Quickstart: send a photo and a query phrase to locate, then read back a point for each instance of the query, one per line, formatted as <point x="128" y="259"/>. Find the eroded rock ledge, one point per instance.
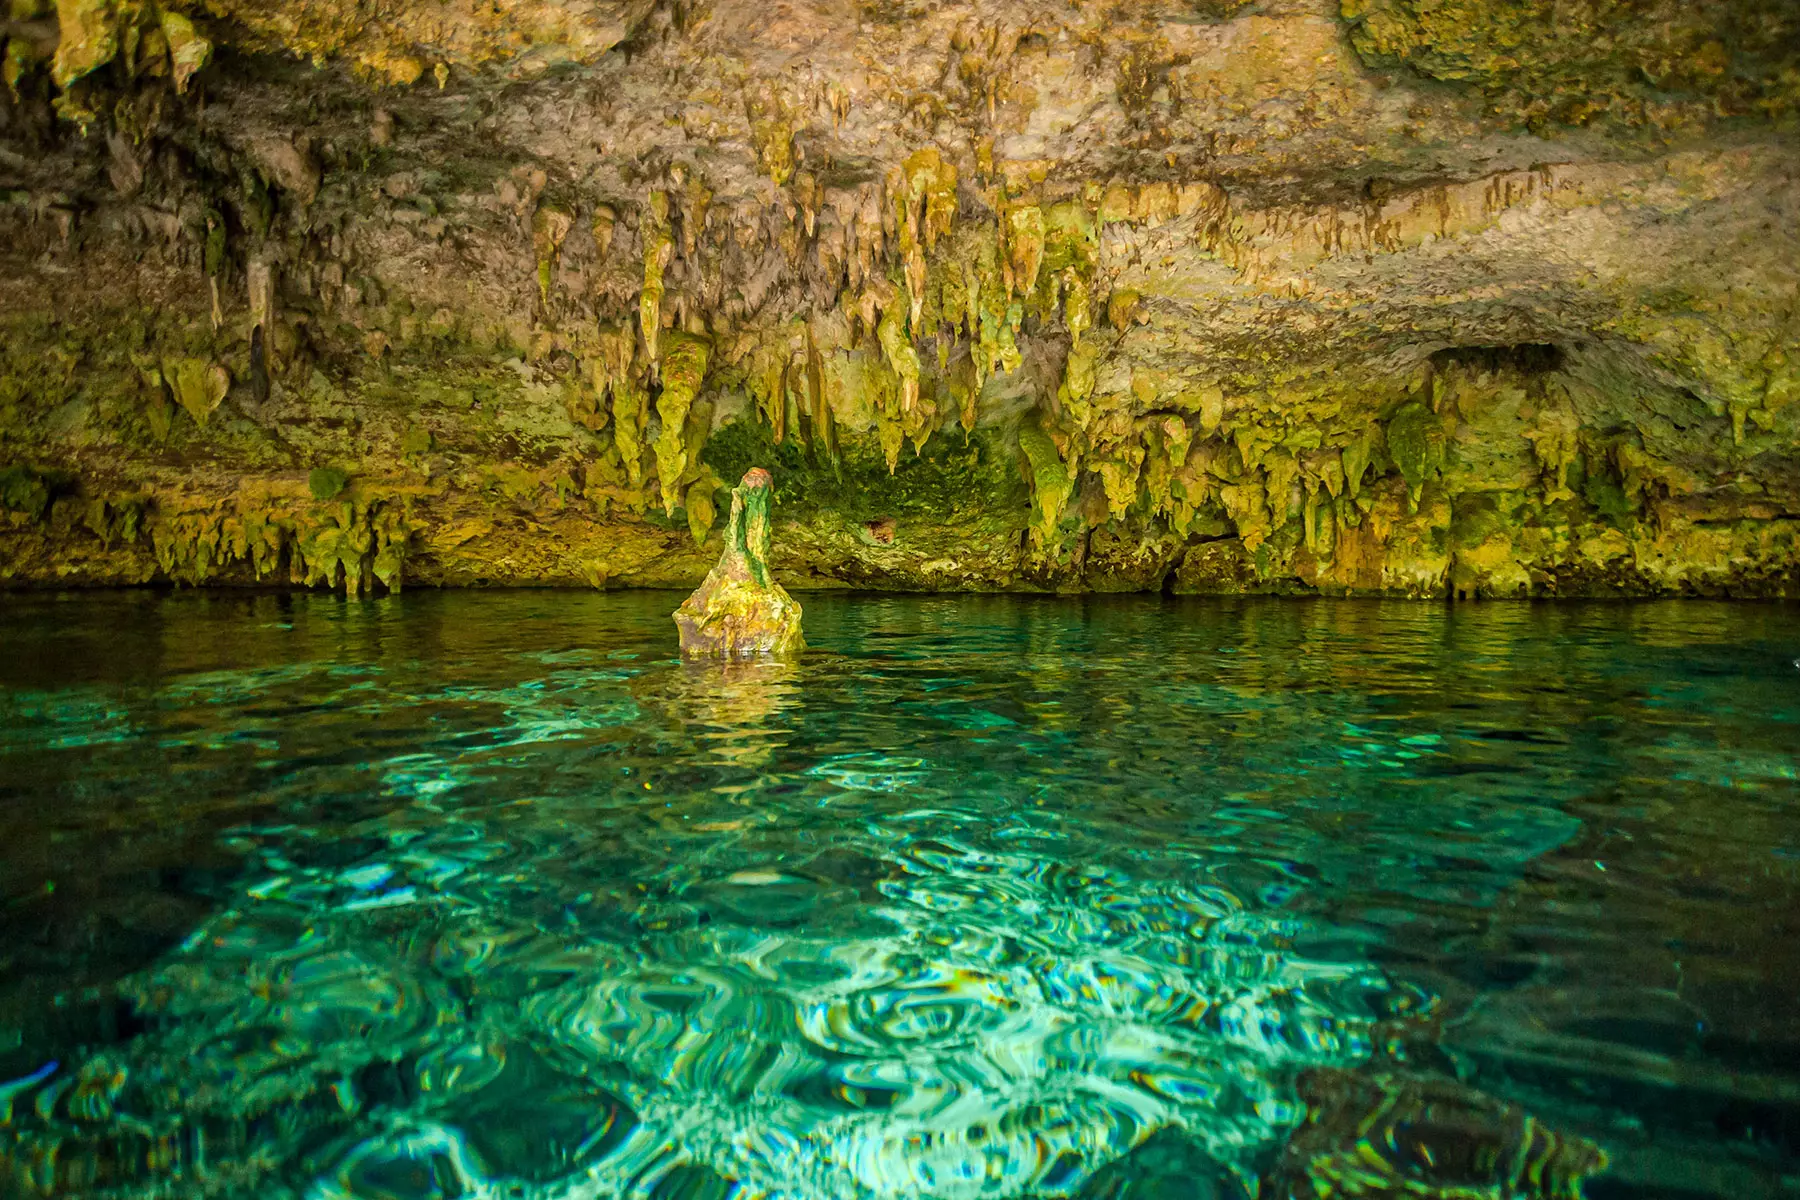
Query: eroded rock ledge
<point x="1200" y="295"/>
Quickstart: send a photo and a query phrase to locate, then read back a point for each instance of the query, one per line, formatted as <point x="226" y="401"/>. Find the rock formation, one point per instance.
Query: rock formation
<point x="739" y="611"/>
<point x="1373" y="296"/>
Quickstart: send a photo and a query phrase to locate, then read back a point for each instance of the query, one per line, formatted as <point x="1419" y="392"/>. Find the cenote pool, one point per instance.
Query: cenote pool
<point x="488" y="895"/>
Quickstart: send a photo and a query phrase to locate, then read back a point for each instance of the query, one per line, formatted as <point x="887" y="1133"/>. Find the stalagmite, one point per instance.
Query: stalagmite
<point x="740" y="611"/>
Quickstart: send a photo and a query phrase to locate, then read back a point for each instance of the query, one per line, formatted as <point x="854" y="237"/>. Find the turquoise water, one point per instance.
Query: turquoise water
<point x="486" y="894"/>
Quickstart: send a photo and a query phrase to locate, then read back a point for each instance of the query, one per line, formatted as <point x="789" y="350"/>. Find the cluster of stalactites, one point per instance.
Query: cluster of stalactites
<point x="910" y="307"/>
<point x="1204" y="465"/>
<point x="145" y="38"/>
<point x="1179" y="466"/>
<point x="352" y="543"/>
<point x="1194" y="459"/>
<point x="899" y="309"/>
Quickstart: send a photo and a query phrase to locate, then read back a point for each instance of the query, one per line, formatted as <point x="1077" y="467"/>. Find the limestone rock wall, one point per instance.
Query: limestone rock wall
<point x="1469" y="299"/>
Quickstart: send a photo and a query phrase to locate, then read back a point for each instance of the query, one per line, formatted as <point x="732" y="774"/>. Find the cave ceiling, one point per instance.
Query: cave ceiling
<point x="1372" y="296"/>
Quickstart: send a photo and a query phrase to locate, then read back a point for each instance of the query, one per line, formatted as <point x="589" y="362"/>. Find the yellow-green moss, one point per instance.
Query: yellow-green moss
<point x="901" y="357"/>
<point x="1415" y="441"/>
<point x="683" y="372"/>
<point x="326" y="482"/>
<point x="1052" y="483"/>
<point x="199" y="386"/>
<point x="549" y="226"/>
<point x="1546" y="62"/>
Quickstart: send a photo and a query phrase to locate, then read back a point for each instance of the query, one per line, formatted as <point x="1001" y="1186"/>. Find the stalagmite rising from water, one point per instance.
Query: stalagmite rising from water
<point x="739" y="611"/>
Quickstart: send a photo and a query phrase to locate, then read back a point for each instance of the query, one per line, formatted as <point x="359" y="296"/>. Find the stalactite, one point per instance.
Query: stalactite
<point x="658" y="248"/>
<point x="683" y="372"/>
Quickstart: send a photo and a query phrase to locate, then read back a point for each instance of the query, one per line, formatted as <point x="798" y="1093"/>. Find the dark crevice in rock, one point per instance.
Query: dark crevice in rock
<point x="1525" y="360"/>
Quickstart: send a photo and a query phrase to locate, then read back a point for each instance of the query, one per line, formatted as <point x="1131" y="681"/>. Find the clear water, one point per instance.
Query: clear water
<point x="488" y="895"/>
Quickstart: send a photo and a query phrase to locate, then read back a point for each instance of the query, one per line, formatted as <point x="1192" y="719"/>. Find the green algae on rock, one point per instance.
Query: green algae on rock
<point x="739" y="611"/>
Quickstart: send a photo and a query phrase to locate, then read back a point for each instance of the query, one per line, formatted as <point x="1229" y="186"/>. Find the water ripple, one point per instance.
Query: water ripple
<point x="1023" y="909"/>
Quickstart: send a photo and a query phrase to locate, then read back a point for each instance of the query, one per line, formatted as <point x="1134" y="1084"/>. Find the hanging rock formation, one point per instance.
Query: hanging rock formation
<point x="739" y="611"/>
<point x="1341" y="296"/>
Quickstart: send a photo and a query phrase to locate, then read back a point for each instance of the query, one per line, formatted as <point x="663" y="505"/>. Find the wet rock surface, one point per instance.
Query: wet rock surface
<point x="1299" y="295"/>
<point x="739" y="611"/>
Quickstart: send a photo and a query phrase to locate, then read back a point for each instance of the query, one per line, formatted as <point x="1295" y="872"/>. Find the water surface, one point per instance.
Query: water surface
<point x="486" y="894"/>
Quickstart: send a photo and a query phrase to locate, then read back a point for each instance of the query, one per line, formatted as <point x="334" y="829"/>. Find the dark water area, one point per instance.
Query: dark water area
<point x="487" y="894"/>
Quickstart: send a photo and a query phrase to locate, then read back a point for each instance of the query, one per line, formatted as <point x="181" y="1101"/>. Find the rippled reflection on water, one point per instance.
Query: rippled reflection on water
<point x="486" y="895"/>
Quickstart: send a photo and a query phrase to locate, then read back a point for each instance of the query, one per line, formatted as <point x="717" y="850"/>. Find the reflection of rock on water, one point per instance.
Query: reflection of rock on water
<point x="727" y="706"/>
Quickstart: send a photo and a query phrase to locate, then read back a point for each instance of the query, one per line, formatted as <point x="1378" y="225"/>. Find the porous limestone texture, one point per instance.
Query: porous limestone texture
<point x="1459" y="298"/>
<point x="739" y="611"/>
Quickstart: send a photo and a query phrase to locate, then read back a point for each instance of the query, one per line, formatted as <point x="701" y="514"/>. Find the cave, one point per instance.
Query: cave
<point x="1232" y="567"/>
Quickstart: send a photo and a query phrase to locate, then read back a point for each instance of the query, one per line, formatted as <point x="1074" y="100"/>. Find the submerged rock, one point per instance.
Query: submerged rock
<point x="740" y="611"/>
<point x="1378" y="1135"/>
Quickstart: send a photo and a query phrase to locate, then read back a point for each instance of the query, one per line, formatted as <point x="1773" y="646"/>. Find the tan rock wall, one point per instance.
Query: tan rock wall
<point x="1219" y="297"/>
